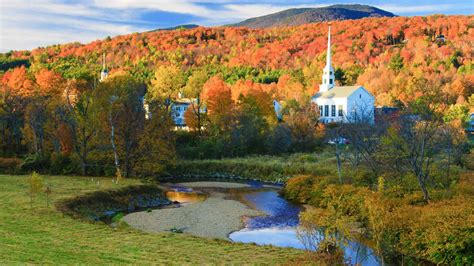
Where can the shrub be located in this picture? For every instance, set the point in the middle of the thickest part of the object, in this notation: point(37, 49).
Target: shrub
point(10, 165)
point(299, 188)
point(63, 164)
point(109, 203)
point(35, 162)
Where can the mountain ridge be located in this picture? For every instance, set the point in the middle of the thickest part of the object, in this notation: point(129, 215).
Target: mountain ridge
point(299, 16)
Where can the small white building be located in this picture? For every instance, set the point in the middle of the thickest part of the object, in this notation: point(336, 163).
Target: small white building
point(105, 72)
point(178, 108)
point(342, 103)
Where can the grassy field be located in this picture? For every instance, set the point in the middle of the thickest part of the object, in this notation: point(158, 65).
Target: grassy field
point(42, 235)
point(263, 167)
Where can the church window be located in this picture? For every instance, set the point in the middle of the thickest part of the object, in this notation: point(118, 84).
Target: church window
point(339, 108)
point(333, 110)
point(326, 110)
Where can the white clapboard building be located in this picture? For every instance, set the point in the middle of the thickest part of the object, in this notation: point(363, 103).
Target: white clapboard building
point(342, 103)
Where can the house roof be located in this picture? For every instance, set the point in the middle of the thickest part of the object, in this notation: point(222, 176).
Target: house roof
point(183, 101)
point(337, 92)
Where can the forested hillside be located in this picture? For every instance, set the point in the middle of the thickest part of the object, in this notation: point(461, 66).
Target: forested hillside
point(404, 182)
point(386, 55)
point(52, 102)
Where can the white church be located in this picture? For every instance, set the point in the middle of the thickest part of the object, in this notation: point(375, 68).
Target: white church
point(342, 103)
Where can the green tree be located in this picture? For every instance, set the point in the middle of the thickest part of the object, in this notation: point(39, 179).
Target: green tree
point(396, 63)
point(36, 185)
point(168, 83)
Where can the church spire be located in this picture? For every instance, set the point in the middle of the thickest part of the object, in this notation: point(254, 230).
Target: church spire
point(328, 56)
point(104, 65)
point(104, 73)
point(328, 71)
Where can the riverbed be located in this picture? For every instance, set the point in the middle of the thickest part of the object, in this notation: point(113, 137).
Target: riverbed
point(241, 212)
point(211, 214)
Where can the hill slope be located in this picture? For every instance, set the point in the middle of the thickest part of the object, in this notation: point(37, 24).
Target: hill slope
point(299, 16)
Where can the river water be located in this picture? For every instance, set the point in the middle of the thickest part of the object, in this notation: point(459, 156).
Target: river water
point(278, 227)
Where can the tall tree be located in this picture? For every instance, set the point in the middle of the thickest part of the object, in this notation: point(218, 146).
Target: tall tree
point(169, 81)
point(219, 104)
point(193, 90)
point(120, 101)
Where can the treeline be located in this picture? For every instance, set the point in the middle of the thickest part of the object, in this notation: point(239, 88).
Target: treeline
point(104, 126)
point(233, 76)
point(123, 126)
point(78, 126)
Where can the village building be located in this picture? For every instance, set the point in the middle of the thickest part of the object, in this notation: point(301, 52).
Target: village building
point(342, 103)
point(178, 109)
point(105, 72)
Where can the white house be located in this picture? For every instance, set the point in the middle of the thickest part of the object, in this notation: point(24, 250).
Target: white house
point(342, 103)
point(178, 108)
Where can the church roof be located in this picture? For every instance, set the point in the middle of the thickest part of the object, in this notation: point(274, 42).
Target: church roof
point(337, 92)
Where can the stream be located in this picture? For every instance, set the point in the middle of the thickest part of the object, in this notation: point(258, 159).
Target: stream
point(278, 227)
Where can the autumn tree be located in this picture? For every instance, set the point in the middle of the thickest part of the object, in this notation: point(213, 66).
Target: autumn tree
point(156, 143)
point(218, 98)
point(303, 120)
point(415, 142)
point(168, 83)
point(250, 127)
point(120, 103)
point(196, 114)
point(83, 122)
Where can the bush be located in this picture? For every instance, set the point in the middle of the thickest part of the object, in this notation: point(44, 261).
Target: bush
point(110, 203)
point(35, 162)
point(10, 165)
point(63, 164)
point(299, 188)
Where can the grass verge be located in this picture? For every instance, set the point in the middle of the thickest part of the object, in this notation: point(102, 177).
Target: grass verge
point(42, 235)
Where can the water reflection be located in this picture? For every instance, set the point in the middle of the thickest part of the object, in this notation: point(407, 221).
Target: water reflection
point(183, 194)
point(278, 227)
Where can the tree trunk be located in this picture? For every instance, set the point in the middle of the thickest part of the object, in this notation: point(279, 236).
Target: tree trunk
point(423, 189)
point(112, 142)
point(338, 159)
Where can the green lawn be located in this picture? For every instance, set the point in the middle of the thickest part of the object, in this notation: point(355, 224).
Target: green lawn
point(42, 235)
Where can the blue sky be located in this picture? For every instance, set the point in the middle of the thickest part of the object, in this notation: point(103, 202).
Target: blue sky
point(26, 24)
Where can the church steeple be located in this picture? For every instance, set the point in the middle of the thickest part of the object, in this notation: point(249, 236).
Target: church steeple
point(328, 71)
point(104, 73)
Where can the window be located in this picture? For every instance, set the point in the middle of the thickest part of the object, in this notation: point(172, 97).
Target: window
point(324, 81)
point(326, 110)
point(320, 110)
point(360, 96)
point(333, 110)
point(330, 81)
point(330, 72)
point(340, 111)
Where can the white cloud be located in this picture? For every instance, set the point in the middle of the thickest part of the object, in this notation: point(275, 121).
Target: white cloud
point(27, 26)
point(422, 9)
point(175, 6)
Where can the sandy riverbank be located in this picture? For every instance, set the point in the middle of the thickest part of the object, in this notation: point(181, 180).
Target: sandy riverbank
point(211, 184)
point(215, 217)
